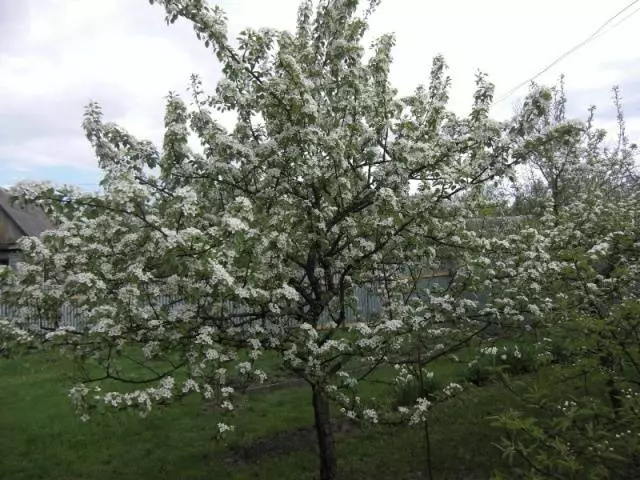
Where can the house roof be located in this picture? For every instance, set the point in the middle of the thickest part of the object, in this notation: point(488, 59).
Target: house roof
point(31, 220)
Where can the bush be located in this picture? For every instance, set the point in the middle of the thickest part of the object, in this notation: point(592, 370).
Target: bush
point(559, 349)
point(479, 373)
point(514, 360)
point(410, 388)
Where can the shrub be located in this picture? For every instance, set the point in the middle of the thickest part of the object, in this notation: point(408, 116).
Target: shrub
point(412, 386)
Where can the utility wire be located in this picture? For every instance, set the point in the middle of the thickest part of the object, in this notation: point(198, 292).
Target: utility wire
point(597, 33)
point(626, 17)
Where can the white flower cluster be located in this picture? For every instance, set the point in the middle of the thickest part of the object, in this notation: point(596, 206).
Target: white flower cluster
point(420, 411)
point(370, 415)
point(489, 350)
point(568, 406)
point(504, 352)
point(452, 389)
point(223, 428)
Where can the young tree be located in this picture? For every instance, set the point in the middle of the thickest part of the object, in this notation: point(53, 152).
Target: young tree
point(262, 242)
point(576, 272)
point(571, 159)
point(592, 279)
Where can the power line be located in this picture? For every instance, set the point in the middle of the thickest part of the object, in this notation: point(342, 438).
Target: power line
point(626, 17)
point(597, 33)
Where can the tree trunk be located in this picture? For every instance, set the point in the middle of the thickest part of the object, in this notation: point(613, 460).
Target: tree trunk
point(324, 431)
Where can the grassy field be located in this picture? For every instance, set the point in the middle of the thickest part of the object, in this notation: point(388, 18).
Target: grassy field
point(42, 438)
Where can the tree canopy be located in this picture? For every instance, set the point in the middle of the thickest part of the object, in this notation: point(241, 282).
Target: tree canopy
point(193, 264)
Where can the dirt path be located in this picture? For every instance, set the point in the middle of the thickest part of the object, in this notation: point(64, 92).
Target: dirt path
point(284, 442)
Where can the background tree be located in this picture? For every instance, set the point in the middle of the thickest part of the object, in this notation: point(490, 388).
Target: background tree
point(581, 288)
point(573, 158)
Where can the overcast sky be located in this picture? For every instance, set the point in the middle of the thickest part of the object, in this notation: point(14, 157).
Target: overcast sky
point(56, 55)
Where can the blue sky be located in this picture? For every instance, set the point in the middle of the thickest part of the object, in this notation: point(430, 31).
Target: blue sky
point(57, 55)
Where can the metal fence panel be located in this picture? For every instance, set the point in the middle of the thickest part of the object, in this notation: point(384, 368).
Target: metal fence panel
point(368, 304)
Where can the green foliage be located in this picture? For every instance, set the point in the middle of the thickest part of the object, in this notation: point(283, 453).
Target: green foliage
point(480, 373)
point(593, 433)
point(580, 437)
point(561, 349)
point(493, 361)
point(409, 389)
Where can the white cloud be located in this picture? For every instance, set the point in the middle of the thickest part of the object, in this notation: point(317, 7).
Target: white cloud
point(121, 53)
point(47, 152)
point(511, 41)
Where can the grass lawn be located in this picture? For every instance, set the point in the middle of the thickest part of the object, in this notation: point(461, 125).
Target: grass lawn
point(42, 438)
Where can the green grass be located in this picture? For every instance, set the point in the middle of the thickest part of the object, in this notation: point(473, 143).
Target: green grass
point(42, 437)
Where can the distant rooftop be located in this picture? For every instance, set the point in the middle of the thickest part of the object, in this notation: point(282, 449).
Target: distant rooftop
point(32, 221)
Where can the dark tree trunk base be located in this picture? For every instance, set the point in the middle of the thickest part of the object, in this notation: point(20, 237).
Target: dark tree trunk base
point(324, 432)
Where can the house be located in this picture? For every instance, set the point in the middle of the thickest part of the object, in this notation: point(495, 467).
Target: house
point(17, 221)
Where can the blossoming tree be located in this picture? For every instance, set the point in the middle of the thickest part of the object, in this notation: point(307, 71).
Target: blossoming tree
point(574, 273)
point(190, 265)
